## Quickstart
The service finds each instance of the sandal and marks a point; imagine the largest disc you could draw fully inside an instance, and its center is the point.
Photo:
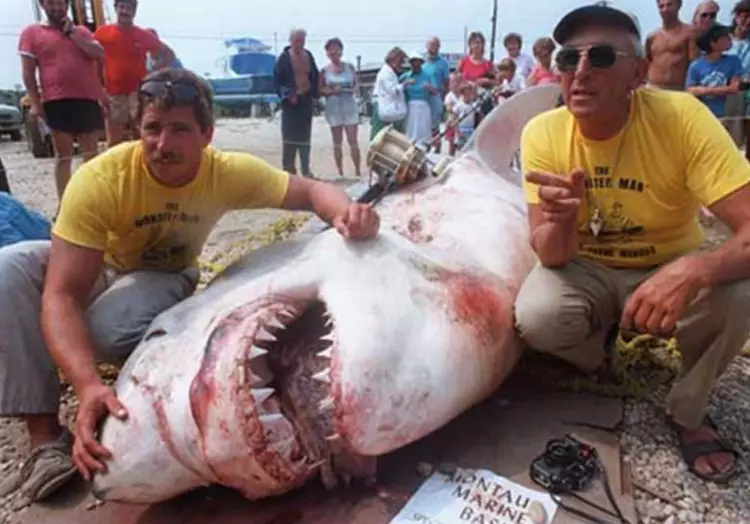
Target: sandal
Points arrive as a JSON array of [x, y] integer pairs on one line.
[[691, 451], [47, 469]]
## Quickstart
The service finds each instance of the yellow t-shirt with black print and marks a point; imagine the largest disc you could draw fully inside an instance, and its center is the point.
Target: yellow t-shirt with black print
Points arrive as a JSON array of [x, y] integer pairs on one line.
[[647, 183], [114, 205]]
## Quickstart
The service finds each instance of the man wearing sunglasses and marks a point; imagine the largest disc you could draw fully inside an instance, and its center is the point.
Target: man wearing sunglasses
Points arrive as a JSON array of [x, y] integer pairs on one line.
[[124, 247], [614, 180]]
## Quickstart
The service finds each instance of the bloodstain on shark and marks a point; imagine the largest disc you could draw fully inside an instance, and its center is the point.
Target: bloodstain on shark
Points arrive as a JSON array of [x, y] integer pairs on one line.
[[476, 303]]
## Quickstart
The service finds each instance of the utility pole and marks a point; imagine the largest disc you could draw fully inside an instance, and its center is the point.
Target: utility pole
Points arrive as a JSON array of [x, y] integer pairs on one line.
[[494, 29]]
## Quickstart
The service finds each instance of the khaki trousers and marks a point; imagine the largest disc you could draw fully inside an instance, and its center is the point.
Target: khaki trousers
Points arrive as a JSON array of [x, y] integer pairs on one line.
[[568, 313]]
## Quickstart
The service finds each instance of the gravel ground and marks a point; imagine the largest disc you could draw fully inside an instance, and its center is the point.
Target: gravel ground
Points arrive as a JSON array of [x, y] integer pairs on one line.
[[673, 494]]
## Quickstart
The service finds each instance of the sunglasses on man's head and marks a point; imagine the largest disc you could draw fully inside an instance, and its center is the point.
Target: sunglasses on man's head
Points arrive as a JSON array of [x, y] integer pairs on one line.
[[600, 56], [181, 92]]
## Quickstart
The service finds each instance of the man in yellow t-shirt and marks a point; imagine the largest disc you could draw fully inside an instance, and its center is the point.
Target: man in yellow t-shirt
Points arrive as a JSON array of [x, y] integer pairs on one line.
[[614, 181], [124, 248]]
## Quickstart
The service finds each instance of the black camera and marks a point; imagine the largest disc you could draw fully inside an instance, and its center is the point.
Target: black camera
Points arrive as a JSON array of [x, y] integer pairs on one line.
[[566, 465]]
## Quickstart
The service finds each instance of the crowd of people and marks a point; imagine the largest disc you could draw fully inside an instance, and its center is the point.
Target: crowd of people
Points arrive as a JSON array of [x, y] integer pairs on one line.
[[706, 58], [433, 103], [417, 93], [87, 81]]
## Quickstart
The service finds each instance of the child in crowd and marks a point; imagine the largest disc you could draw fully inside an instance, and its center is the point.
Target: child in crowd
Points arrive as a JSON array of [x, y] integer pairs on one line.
[[465, 119], [542, 72], [451, 99], [509, 81], [716, 74]]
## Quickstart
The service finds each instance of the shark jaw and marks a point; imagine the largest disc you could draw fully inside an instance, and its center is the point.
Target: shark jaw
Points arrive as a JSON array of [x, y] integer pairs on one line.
[[284, 390]]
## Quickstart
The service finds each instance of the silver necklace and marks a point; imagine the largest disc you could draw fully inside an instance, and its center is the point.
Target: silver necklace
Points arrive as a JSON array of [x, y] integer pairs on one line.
[[596, 222]]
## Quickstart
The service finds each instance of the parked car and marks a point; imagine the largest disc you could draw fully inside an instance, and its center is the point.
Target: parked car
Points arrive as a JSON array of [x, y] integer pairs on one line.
[[11, 122]]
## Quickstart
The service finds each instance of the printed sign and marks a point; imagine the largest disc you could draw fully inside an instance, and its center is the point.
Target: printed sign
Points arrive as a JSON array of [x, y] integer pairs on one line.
[[475, 496]]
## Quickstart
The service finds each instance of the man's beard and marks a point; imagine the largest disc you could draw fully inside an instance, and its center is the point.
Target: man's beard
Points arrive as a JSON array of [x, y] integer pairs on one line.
[[55, 19]]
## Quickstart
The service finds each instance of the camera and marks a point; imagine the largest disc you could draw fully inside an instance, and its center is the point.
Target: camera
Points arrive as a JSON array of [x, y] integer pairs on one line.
[[567, 464]]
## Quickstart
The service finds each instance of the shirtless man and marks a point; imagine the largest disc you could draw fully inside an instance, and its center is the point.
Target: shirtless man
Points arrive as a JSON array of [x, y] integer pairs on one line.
[[670, 49]]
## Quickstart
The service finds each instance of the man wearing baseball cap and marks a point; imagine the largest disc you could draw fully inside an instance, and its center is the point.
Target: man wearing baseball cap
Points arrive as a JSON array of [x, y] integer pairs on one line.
[[614, 180]]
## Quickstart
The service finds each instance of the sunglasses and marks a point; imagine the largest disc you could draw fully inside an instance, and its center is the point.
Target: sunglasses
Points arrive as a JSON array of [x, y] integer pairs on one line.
[[711, 15], [600, 56], [180, 92]]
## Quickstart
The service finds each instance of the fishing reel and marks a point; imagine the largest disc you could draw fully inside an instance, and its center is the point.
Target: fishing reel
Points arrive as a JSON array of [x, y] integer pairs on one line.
[[393, 157]]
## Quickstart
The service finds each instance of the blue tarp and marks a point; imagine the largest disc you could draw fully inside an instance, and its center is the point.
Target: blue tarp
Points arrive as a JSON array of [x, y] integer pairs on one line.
[[19, 223]]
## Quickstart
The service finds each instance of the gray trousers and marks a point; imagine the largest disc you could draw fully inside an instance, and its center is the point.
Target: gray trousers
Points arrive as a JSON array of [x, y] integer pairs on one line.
[[568, 312], [120, 310]]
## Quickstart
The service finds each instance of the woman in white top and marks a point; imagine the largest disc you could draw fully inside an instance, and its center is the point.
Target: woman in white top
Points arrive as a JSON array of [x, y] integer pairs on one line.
[[389, 103], [338, 84]]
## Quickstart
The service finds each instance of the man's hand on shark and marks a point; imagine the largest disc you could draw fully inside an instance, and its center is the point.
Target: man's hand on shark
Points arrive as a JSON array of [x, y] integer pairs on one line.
[[358, 222]]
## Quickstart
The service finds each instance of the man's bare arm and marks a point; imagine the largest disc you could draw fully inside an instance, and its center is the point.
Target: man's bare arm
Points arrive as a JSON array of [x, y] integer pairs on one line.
[[647, 48], [731, 259], [555, 243], [71, 276], [164, 57], [325, 200], [693, 51], [28, 71], [87, 44]]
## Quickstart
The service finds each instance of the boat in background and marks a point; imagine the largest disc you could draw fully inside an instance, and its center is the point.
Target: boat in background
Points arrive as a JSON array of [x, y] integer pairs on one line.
[[247, 79]]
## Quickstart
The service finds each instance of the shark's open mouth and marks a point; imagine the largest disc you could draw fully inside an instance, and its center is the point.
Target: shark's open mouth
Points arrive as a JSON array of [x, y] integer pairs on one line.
[[287, 391]]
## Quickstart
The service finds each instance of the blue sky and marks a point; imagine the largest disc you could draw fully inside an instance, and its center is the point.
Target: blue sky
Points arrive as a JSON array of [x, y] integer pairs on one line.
[[198, 30]]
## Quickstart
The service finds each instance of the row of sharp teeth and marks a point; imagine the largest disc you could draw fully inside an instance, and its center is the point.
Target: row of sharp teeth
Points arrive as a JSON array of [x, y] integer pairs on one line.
[[264, 335]]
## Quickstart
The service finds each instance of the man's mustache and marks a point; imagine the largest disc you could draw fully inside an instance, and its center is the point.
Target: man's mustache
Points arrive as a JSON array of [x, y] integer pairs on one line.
[[166, 158]]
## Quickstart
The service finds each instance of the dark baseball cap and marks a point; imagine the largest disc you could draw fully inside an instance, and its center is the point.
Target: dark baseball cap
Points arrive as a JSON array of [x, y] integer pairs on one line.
[[712, 34], [599, 13]]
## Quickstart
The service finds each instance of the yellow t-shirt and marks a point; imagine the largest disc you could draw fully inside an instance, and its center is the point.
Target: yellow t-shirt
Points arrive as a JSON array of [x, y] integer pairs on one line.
[[113, 204], [647, 183]]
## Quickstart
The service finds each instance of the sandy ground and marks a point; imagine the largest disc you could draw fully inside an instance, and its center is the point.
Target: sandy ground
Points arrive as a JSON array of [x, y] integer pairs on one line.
[[647, 441]]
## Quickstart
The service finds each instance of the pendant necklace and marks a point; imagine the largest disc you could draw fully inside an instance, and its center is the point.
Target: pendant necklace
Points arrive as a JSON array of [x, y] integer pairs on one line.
[[596, 222]]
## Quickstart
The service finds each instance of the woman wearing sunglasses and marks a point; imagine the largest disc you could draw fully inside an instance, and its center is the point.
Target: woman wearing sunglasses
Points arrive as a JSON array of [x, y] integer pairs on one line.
[[614, 181]]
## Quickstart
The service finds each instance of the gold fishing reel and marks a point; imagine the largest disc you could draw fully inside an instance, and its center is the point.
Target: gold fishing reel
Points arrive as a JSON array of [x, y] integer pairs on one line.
[[393, 156]]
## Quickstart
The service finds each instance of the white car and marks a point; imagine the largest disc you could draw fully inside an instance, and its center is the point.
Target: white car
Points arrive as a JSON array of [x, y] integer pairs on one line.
[[11, 121]]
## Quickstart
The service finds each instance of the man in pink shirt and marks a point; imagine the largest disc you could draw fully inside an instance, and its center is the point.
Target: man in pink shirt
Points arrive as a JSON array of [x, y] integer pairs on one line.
[[71, 93]]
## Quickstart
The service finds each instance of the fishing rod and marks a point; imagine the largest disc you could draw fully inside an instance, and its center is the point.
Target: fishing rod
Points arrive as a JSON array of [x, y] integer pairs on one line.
[[481, 99], [494, 30]]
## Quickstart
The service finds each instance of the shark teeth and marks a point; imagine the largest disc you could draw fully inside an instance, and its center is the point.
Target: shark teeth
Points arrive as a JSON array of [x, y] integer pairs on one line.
[[264, 335], [326, 404], [326, 353], [270, 418], [333, 438], [275, 323], [284, 447], [287, 313], [256, 352], [324, 376], [329, 337], [260, 395]]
